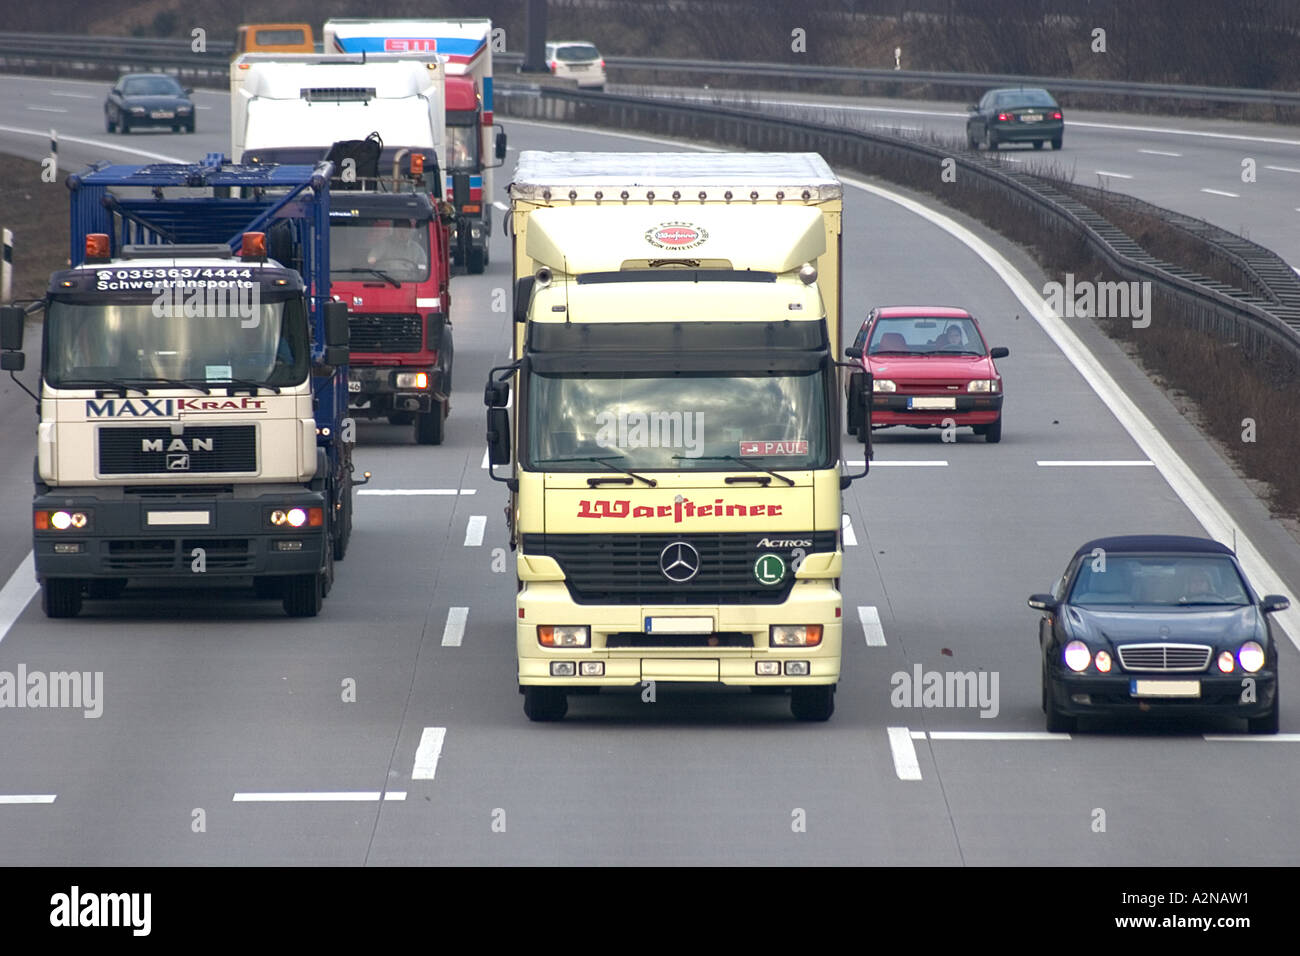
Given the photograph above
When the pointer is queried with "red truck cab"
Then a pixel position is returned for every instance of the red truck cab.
(390, 263)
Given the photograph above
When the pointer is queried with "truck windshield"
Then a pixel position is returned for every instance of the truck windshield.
(398, 248)
(462, 147)
(109, 341)
(679, 422)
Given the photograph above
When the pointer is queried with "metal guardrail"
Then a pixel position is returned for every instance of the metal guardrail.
(1256, 324)
(177, 54)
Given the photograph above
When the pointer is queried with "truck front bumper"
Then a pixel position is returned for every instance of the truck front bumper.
(373, 390)
(728, 649)
(160, 535)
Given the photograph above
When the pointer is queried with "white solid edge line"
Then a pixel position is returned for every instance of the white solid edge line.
(1084, 463)
(1198, 499)
(1158, 152)
(1220, 192)
(1283, 169)
(310, 796)
(995, 735)
(1102, 172)
(1255, 738)
(846, 529)
(872, 630)
(17, 593)
(905, 763)
(47, 109)
(453, 632)
(99, 143)
(428, 752)
(474, 529)
(14, 799)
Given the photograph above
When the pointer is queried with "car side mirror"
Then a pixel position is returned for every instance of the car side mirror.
(973, 108)
(853, 352)
(1043, 602)
(189, 91)
(1000, 351)
(1274, 602)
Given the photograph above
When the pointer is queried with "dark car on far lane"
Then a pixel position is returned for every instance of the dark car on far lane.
(1157, 625)
(148, 99)
(1015, 116)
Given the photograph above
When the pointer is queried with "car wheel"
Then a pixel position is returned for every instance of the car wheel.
(123, 125)
(1267, 724)
(813, 703)
(109, 125)
(61, 597)
(176, 128)
(189, 127)
(990, 139)
(1038, 144)
(1056, 143)
(545, 703)
(993, 432)
(971, 141)
(1057, 723)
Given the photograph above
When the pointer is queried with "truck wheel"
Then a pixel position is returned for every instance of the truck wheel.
(428, 426)
(302, 595)
(344, 525)
(545, 703)
(475, 261)
(105, 588)
(61, 597)
(813, 703)
(993, 432)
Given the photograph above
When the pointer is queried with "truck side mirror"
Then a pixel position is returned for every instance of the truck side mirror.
(496, 394)
(864, 405)
(501, 143)
(11, 328)
(336, 355)
(498, 436)
(460, 189)
(336, 325)
(12, 361)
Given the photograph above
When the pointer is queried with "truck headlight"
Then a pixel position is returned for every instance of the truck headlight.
(412, 380)
(564, 635)
(795, 635)
(296, 517)
(982, 385)
(61, 520)
(883, 385)
(1251, 656)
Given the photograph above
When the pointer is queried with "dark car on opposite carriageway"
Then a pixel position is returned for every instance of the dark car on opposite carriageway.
(148, 99)
(1015, 116)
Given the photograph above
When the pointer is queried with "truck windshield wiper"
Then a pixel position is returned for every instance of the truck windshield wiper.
(739, 461)
(102, 384)
(607, 461)
(174, 382)
(383, 275)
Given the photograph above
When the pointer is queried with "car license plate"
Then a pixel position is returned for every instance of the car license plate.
(679, 625)
(162, 114)
(354, 385)
(944, 404)
(1165, 688)
(579, 66)
(1031, 117)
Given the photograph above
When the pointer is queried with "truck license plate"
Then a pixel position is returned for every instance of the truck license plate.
(354, 385)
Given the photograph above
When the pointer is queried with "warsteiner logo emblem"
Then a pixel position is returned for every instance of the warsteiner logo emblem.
(676, 236)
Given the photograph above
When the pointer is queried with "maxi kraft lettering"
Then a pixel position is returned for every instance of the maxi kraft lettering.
(679, 510)
(168, 407)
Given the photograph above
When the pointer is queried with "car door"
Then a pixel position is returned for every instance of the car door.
(114, 106)
(975, 124)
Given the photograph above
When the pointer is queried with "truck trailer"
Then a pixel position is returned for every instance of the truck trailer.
(193, 387)
(674, 455)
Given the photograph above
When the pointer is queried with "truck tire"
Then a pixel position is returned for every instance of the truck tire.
(344, 525)
(475, 260)
(429, 426)
(61, 597)
(303, 595)
(813, 703)
(545, 703)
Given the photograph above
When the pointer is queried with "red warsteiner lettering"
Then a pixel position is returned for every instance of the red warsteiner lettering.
(680, 510)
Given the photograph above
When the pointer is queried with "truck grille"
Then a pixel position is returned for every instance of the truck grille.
(1164, 657)
(385, 333)
(624, 568)
(142, 555)
(156, 451)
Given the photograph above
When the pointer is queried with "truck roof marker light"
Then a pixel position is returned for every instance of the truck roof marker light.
(97, 247)
(677, 195)
(780, 196)
(252, 245)
(417, 164)
(650, 197)
(807, 273)
(623, 195)
(727, 195)
(599, 196)
(805, 195)
(573, 196)
(703, 195)
(753, 195)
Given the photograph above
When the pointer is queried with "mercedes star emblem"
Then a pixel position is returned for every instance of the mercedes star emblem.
(679, 562)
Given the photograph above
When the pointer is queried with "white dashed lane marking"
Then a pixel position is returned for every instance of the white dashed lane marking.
(428, 752)
(474, 530)
(453, 632)
(869, 618)
(905, 763)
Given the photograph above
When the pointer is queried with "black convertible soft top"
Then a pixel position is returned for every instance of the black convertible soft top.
(1133, 543)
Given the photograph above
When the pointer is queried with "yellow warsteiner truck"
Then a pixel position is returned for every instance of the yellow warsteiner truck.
(675, 445)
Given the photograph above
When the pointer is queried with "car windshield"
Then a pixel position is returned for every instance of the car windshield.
(677, 422)
(1158, 580)
(151, 86)
(398, 248)
(925, 336)
(141, 342)
(577, 51)
(1014, 98)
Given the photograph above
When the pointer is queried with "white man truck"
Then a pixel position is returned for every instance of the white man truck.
(675, 465)
(292, 107)
(193, 387)
(466, 47)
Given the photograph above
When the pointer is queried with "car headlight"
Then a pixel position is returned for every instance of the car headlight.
(1077, 656)
(883, 385)
(982, 385)
(412, 379)
(183, 109)
(1103, 662)
(137, 109)
(1226, 662)
(1251, 656)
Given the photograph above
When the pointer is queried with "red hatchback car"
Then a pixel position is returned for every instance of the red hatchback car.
(930, 368)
